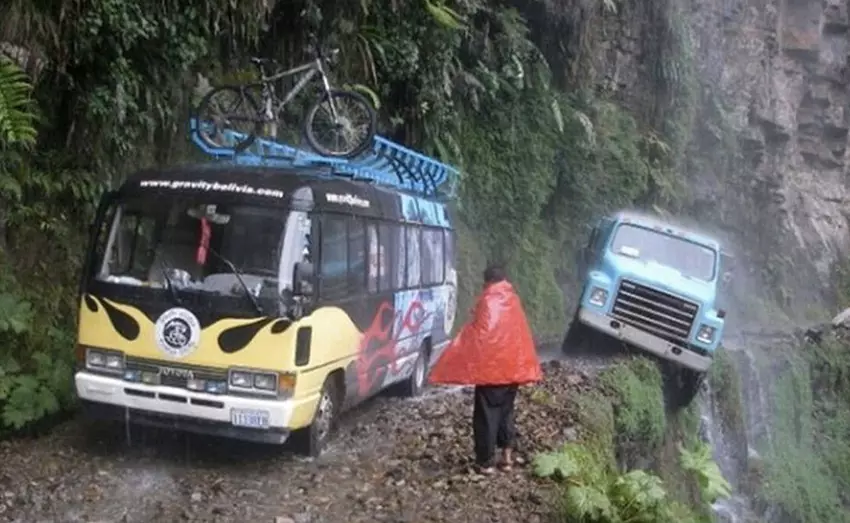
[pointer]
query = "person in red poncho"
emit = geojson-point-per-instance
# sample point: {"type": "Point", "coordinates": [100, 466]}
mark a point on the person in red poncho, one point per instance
{"type": "Point", "coordinates": [494, 351]}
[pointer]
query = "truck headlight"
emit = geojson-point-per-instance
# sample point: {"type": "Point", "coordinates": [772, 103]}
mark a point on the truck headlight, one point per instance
{"type": "Point", "coordinates": [101, 360]}
{"type": "Point", "coordinates": [598, 296]}
{"type": "Point", "coordinates": [705, 334]}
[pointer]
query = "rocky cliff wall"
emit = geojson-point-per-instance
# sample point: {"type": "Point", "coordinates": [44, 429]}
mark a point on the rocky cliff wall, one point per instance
{"type": "Point", "coordinates": [768, 159]}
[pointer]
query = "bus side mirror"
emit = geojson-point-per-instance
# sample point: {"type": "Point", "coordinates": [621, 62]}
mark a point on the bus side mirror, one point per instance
{"type": "Point", "coordinates": [302, 279]}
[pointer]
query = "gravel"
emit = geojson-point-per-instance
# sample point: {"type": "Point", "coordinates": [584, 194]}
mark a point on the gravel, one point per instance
{"type": "Point", "coordinates": [392, 460]}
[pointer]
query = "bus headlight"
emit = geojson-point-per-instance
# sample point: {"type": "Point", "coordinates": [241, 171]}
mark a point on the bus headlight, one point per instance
{"type": "Point", "coordinates": [598, 296]}
{"type": "Point", "coordinates": [705, 334]}
{"type": "Point", "coordinates": [241, 379]}
{"type": "Point", "coordinates": [101, 360]}
{"type": "Point", "coordinates": [265, 382]}
{"type": "Point", "coordinates": [254, 381]}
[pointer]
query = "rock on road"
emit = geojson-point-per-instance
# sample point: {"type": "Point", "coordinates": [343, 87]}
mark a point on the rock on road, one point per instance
{"type": "Point", "coordinates": [391, 460]}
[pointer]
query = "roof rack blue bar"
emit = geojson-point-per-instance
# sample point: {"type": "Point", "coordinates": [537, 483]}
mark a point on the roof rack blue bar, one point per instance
{"type": "Point", "coordinates": [385, 163]}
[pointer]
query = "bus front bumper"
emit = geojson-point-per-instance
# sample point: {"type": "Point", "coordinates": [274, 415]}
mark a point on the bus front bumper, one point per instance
{"type": "Point", "coordinates": [251, 419]}
{"type": "Point", "coordinates": [644, 340]}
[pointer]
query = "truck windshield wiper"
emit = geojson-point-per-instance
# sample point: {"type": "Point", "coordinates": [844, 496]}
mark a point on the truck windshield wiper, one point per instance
{"type": "Point", "coordinates": [170, 284]}
{"type": "Point", "coordinates": [241, 281]}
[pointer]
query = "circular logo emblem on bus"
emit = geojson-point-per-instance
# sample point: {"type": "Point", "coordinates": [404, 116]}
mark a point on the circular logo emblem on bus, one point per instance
{"type": "Point", "coordinates": [177, 332]}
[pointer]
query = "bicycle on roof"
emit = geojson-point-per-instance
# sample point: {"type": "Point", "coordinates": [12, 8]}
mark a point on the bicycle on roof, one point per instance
{"type": "Point", "coordinates": [351, 119]}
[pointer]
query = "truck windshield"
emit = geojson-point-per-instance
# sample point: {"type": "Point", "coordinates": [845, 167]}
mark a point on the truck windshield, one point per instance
{"type": "Point", "coordinates": [150, 243]}
{"type": "Point", "coordinates": [689, 258]}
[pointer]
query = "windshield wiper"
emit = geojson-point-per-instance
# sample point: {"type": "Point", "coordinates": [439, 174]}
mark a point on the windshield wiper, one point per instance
{"type": "Point", "coordinates": [170, 284]}
{"type": "Point", "coordinates": [239, 277]}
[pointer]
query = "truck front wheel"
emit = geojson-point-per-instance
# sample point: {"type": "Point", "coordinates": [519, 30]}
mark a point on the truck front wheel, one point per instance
{"type": "Point", "coordinates": [689, 384]}
{"type": "Point", "coordinates": [577, 337]}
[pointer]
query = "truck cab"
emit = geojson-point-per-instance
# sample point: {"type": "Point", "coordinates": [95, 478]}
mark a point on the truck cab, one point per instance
{"type": "Point", "coordinates": [654, 287]}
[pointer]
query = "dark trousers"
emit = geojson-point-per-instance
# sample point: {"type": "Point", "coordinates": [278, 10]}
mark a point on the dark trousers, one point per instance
{"type": "Point", "coordinates": [493, 421]}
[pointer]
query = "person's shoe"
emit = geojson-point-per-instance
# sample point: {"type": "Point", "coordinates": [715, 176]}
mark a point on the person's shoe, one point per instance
{"type": "Point", "coordinates": [485, 470]}
{"type": "Point", "coordinates": [507, 462]}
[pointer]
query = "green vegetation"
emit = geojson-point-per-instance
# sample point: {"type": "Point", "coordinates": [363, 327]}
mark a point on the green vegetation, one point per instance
{"type": "Point", "coordinates": [624, 421]}
{"type": "Point", "coordinates": [726, 391]}
{"type": "Point", "coordinates": [806, 471]}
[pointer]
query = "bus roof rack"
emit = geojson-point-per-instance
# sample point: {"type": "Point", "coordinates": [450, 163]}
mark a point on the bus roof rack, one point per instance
{"type": "Point", "coordinates": [384, 163]}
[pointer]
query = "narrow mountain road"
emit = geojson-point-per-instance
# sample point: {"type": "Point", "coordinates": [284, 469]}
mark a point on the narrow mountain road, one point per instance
{"type": "Point", "coordinates": [392, 460]}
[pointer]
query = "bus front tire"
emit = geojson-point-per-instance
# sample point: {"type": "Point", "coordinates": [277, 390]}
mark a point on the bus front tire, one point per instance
{"type": "Point", "coordinates": [312, 440]}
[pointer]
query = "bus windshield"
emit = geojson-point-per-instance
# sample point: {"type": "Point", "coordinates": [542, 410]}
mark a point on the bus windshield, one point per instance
{"type": "Point", "coordinates": [690, 259]}
{"type": "Point", "coordinates": [197, 246]}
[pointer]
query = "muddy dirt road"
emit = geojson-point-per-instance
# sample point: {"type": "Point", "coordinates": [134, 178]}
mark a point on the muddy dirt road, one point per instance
{"type": "Point", "coordinates": [393, 460]}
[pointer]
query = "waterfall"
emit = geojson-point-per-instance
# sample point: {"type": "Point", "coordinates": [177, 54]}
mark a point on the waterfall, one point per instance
{"type": "Point", "coordinates": [734, 447]}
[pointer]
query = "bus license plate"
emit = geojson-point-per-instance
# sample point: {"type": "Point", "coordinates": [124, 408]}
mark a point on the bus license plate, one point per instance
{"type": "Point", "coordinates": [255, 419]}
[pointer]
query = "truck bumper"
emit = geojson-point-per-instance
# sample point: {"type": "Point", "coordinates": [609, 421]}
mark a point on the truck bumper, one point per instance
{"type": "Point", "coordinates": [645, 341]}
{"type": "Point", "coordinates": [106, 397]}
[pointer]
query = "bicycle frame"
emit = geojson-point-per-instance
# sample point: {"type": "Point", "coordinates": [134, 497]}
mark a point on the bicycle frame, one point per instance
{"type": "Point", "coordinates": [310, 69]}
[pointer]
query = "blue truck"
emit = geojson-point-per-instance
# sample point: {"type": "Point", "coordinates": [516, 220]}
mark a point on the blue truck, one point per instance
{"type": "Point", "coordinates": [654, 287]}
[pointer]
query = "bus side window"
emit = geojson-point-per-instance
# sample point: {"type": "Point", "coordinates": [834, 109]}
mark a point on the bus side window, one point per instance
{"type": "Point", "coordinates": [386, 255]}
{"type": "Point", "coordinates": [398, 237]}
{"type": "Point", "coordinates": [414, 261]}
{"type": "Point", "coordinates": [333, 282]}
{"type": "Point", "coordinates": [432, 257]}
{"type": "Point", "coordinates": [356, 256]}
{"type": "Point", "coordinates": [374, 264]}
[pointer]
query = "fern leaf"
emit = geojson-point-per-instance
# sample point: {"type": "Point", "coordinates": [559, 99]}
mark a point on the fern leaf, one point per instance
{"type": "Point", "coordinates": [17, 119]}
{"type": "Point", "coordinates": [700, 463]}
{"type": "Point", "coordinates": [588, 503]}
{"type": "Point", "coordinates": [557, 465]}
{"type": "Point", "coordinates": [444, 15]}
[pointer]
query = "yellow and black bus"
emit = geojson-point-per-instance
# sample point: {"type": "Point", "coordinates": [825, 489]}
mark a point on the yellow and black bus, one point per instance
{"type": "Point", "coordinates": [258, 302]}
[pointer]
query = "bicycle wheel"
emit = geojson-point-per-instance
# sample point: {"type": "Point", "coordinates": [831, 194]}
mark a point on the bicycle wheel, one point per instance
{"type": "Point", "coordinates": [228, 108]}
{"type": "Point", "coordinates": [348, 135]}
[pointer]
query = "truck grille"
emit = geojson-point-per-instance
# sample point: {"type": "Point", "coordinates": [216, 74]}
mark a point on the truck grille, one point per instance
{"type": "Point", "coordinates": [175, 375]}
{"type": "Point", "coordinates": [664, 315]}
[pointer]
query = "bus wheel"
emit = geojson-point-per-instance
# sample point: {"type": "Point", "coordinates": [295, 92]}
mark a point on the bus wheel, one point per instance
{"type": "Point", "coordinates": [313, 439]}
{"type": "Point", "coordinates": [415, 384]}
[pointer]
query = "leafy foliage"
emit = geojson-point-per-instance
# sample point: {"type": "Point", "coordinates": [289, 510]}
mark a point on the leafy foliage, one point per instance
{"type": "Point", "coordinates": [711, 481]}
{"type": "Point", "coordinates": [113, 78]}
{"type": "Point", "coordinates": [594, 493]}
{"type": "Point", "coordinates": [16, 116]}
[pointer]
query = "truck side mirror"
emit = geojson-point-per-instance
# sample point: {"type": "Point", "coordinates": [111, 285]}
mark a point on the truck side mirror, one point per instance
{"type": "Point", "coordinates": [302, 279]}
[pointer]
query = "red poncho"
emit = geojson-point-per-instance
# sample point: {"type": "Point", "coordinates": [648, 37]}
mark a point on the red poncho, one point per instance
{"type": "Point", "coordinates": [495, 346]}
